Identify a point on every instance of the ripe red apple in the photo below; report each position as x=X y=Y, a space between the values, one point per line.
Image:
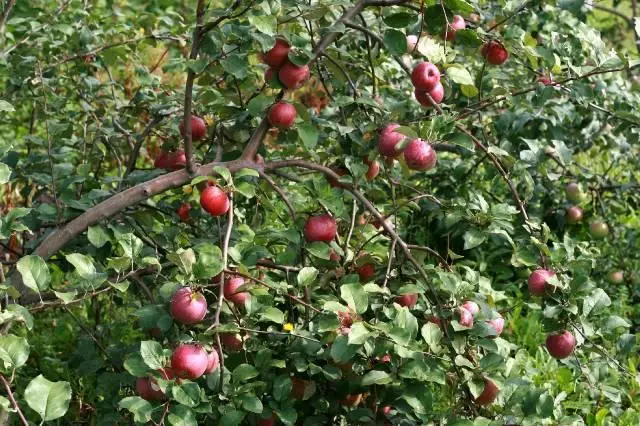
x=277 y=55
x=214 y=201
x=489 y=393
x=574 y=192
x=213 y=362
x=386 y=410
x=232 y=342
x=366 y=272
x=465 y=318
x=616 y=277
x=189 y=361
x=147 y=387
x=437 y=94
x=298 y=387
x=425 y=76
x=456 y=24
x=471 y=306
x=599 y=229
x=172 y=160
x=340 y=171
x=373 y=170
x=231 y=286
x=183 y=212
x=419 y=155
x=320 y=228
x=271 y=421
x=282 y=115
x=560 y=345
x=188 y=307
x=198 y=128
x=292 y=76
x=412 y=40
x=409 y=300
x=268 y=74
x=537 y=282
x=494 y=52
x=388 y=140
x=346 y=318
x=574 y=214
x=546 y=80
x=497 y=324
x=351 y=400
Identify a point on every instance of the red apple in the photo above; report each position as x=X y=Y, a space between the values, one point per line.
x=320 y=228
x=489 y=393
x=471 y=306
x=298 y=387
x=616 y=277
x=147 y=387
x=412 y=40
x=599 y=229
x=494 y=52
x=388 y=140
x=292 y=76
x=419 y=155
x=277 y=55
x=386 y=410
x=497 y=324
x=213 y=362
x=537 y=282
x=574 y=192
x=214 y=201
x=373 y=170
x=574 y=214
x=425 y=76
x=189 y=361
x=409 y=300
x=465 y=318
x=560 y=345
x=437 y=94
x=231 y=293
x=232 y=342
x=546 y=80
x=366 y=272
x=173 y=160
x=183 y=212
x=271 y=421
x=282 y=115
x=198 y=128
x=385 y=359
x=340 y=171
x=268 y=74
x=351 y=400
x=455 y=25
x=435 y=320
x=346 y=318
x=188 y=307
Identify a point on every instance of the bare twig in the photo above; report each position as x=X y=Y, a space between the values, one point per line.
x=5 y=13
x=7 y=387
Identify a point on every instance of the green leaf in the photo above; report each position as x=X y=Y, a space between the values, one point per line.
x=244 y=372
x=432 y=334
x=308 y=134
x=208 y=261
x=272 y=314
x=5 y=173
x=140 y=408
x=282 y=386
x=183 y=259
x=358 y=334
x=187 y=394
x=152 y=354
x=34 y=272
x=66 y=297
x=460 y=75
x=252 y=404
x=232 y=418
x=395 y=41
x=20 y=313
x=135 y=365
x=266 y=24
x=14 y=351
x=595 y=302
x=98 y=236
x=307 y=276
x=83 y=264
x=473 y=238
x=355 y=296
x=6 y=106
x=376 y=377
x=258 y=105
x=224 y=173
x=460 y=6
x=49 y=399
x=181 y=415
x=401 y=20
x=342 y=351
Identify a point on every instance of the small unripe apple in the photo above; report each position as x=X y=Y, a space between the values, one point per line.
x=574 y=192
x=198 y=128
x=292 y=76
x=489 y=393
x=560 y=345
x=465 y=318
x=437 y=95
x=214 y=201
x=574 y=214
x=373 y=170
x=412 y=40
x=277 y=55
x=616 y=277
x=320 y=228
x=419 y=155
x=231 y=293
x=494 y=52
x=366 y=272
x=232 y=342
x=213 y=362
x=471 y=306
x=188 y=307
x=189 y=361
x=537 y=282
x=425 y=76
x=183 y=212
x=497 y=324
x=351 y=400
x=456 y=24
x=409 y=300
x=599 y=229
x=282 y=115
x=388 y=139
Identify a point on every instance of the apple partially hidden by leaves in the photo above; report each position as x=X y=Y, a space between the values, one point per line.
x=188 y=307
x=489 y=393
x=419 y=155
x=409 y=300
x=198 y=128
x=537 y=282
x=277 y=55
x=320 y=228
x=560 y=345
x=494 y=52
x=616 y=277
x=425 y=76
x=292 y=76
x=231 y=293
x=456 y=24
x=214 y=201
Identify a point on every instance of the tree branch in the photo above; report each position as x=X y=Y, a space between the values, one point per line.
x=7 y=386
x=5 y=14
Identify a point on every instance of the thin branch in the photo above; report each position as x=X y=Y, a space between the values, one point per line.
x=141 y=138
x=5 y=14
x=7 y=386
x=615 y=12
x=292 y=211
x=507 y=18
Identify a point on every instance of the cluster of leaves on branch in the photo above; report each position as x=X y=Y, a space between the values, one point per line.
x=325 y=212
